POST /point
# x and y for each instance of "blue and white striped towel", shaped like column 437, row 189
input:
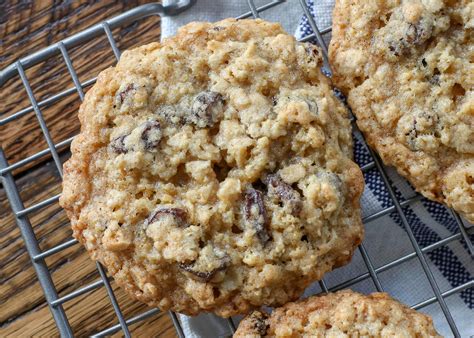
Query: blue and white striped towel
column 385, row 238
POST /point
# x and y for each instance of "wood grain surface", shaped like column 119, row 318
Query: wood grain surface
column 25, row 27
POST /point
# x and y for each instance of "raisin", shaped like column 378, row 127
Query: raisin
column 204, row 276
column 255, row 214
column 118, row 145
column 207, row 108
column 414, row 35
column 284, row 192
column 151, row 134
column 179, row 215
column 123, row 94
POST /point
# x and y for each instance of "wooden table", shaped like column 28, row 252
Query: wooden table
column 27, row 26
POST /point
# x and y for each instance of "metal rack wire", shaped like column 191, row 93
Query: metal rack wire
column 21, row 213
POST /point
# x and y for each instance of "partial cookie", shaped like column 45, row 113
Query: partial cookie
column 341, row 314
column 407, row 68
column 213, row 171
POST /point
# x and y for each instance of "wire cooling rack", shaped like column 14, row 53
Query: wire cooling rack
column 21, row 213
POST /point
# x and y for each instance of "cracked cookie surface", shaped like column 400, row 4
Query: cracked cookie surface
column 213, row 171
column 407, row 68
column 341, row 314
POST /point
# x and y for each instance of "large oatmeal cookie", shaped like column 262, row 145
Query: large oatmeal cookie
column 407, row 67
column 341, row 314
column 213, row 171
